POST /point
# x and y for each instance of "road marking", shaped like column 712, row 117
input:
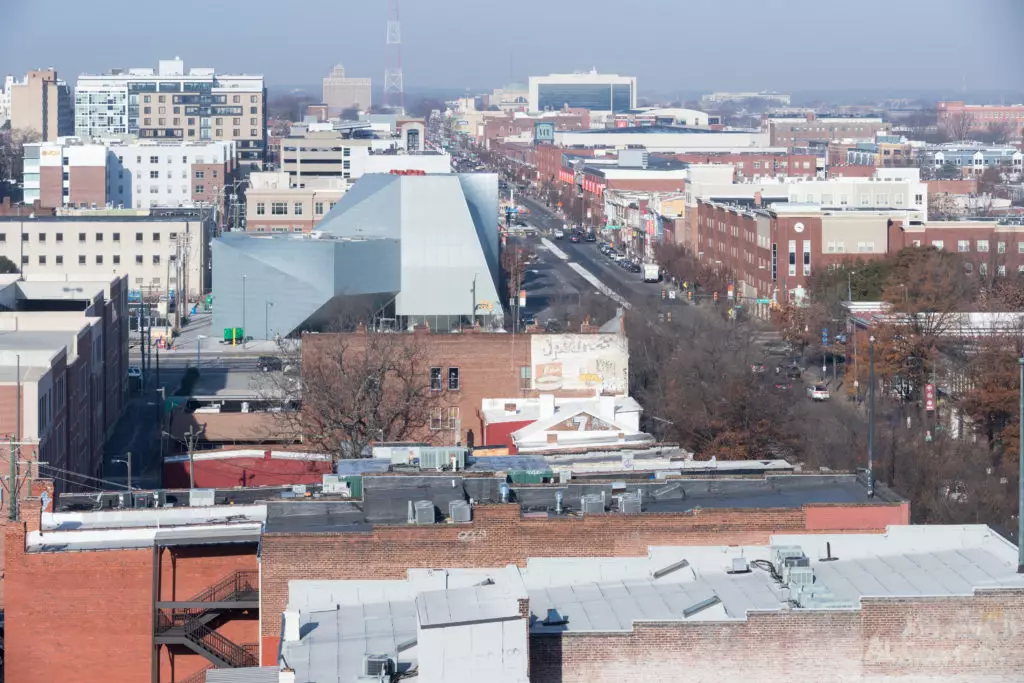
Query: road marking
column 600, row 286
column 553, row 249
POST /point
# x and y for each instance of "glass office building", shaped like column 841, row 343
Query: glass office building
column 614, row 97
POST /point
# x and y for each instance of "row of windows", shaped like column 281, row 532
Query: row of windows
column 236, row 132
column 82, row 259
column 156, row 160
column 235, row 99
column 114, row 237
column 281, row 208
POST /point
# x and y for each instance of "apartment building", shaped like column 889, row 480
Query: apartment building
column 64, row 354
column 69, row 172
column 958, row 117
column 274, row 204
column 157, row 250
column 757, row 163
column 973, row 160
column 797, row 131
column 167, row 102
column 341, row 92
column 5, row 99
column 41, row 104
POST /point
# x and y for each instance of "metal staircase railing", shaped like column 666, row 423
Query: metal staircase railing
column 223, row 649
column 197, row 677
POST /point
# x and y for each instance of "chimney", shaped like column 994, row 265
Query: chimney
column 547, row 406
column 291, row 627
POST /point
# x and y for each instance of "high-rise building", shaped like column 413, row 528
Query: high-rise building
column 5, row 100
column 591, row 90
column 167, row 102
column 41, row 104
column 342, row 92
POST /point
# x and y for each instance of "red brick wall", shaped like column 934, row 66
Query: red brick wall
column 51, row 186
column 230, row 472
column 832, row 517
column 943, row 639
column 88, row 185
column 500, row 433
column 501, row 537
column 105, row 597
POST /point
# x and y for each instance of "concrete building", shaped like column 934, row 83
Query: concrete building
column 590, row 90
column 5, row 100
column 662, row 116
column 957, row 118
column 414, row 246
column 117, row 173
column 325, row 152
column 167, row 102
column 274, row 204
column 158, row 251
column 717, row 98
column 663, row 139
column 511, row 97
column 41, row 104
column 797, row 131
column 341, row 92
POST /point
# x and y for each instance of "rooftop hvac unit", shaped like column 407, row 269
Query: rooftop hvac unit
column 781, row 553
column 375, row 666
column 460, row 511
column 144, row 500
column 798, row 576
column 592, row 504
column 201, row 498
column 629, row 504
column 333, row 483
column 424, row 512
column 434, row 458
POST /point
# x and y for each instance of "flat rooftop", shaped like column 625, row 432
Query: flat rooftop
column 607, row 595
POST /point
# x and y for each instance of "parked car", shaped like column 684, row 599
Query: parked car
column 591, row 237
column 757, row 367
column 575, row 237
column 818, row 392
column 269, row 363
column 559, row 233
column 783, row 386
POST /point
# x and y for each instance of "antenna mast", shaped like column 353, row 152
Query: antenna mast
column 394, row 88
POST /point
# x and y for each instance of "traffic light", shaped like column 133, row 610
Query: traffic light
column 716, row 297
column 668, row 316
column 663, row 294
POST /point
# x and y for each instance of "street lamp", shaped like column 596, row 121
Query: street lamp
column 266, row 319
column 871, row 415
column 127, row 460
column 243, row 309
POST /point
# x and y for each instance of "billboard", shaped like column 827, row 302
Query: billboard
column 575, row 362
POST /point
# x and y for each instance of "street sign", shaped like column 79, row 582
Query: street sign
column 929, row 397
column 824, row 336
column 764, row 302
column 522, row 298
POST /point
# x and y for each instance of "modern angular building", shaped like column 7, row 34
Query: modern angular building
column 591, row 90
column 408, row 249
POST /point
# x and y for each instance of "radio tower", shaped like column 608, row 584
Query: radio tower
column 394, row 89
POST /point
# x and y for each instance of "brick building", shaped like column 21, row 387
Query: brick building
column 757, row 163
column 797, row 131
column 472, row 366
column 958, row 116
column 517, row 124
column 773, row 251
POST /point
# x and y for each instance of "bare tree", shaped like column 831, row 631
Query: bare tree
column 958, row 126
column 354, row 389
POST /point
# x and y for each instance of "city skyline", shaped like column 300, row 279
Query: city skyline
column 881, row 46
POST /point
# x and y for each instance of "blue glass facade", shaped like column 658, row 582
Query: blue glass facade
column 592, row 96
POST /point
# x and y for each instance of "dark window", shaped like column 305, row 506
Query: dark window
column 99, row 259
column 453, row 379
column 596, row 97
column 138, row 258
column 24, row 260
column 99, row 237
column 60, row 260
column 60, row 237
column 117, row 259
column 435, row 379
column 42, row 260
column 81, row 237
column 81, row 260
column 138, row 237
column 117, row 237
column 42, row 237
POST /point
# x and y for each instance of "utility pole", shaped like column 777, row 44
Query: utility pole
column 12, row 486
column 871, row 416
column 473, row 290
column 191, row 439
column 128, row 462
column 1020, row 482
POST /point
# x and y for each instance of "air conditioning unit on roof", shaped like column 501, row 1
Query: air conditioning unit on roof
column 378, row 665
column 424, row 512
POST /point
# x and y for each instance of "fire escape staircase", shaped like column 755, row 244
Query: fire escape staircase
column 192, row 623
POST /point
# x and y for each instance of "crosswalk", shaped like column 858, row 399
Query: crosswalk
column 767, row 337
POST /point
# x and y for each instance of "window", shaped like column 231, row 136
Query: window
column 81, row 237
column 445, row 418
column 220, row 122
column 116, row 237
column 200, row 189
column 318, row 208
column 236, row 121
column 99, row 237
column 147, row 110
column 236, row 99
column 99, row 259
column 60, row 260
column 161, row 110
column 156, row 259
column 983, row 246
column 261, row 209
column 24, row 260
column 81, row 259
column 253, row 110
column 253, row 132
column 146, row 99
column 156, row 237
column 963, row 245
column 219, row 133
column 138, row 259
column 42, row 260
column 918, row 199
column 252, row 122
column 983, row 269
column 279, row 209
column 117, row 259
column 525, row 378
column 154, row 174
column 298, row 208
column 938, row 244
column 435, row 379
column 154, row 160
column 453, row 379
column 200, row 175
column 235, row 133
column 42, row 238
column 252, row 98
column 138, row 237
column 1001, row 247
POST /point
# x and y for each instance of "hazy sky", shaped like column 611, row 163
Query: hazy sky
column 669, row 45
